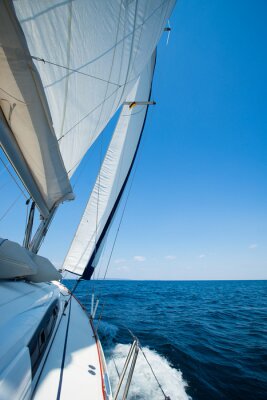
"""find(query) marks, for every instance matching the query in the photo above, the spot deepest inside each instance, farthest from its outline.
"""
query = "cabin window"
(40, 339)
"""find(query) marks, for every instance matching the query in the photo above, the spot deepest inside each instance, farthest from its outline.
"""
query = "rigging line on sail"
(13, 97)
(120, 86)
(107, 51)
(6, 167)
(87, 115)
(131, 53)
(141, 25)
(110, 72)
(132, 32)
(73, 70)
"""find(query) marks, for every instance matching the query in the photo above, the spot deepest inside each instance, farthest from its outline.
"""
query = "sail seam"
(123, 85)
(68, 61)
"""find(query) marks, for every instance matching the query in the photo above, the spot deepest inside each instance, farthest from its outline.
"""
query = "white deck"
(81, 376)
(72, 366)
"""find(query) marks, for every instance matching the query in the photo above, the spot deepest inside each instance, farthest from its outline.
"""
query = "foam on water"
(143, 385)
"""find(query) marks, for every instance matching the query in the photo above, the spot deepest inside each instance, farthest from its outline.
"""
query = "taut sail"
(65, 69)
(89, 55)
(26, 129)
(111, 181)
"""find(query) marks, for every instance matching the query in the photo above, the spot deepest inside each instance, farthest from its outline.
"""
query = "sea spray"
(144, 385)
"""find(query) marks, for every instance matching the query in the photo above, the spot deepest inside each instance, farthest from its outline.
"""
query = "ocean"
(203, 339)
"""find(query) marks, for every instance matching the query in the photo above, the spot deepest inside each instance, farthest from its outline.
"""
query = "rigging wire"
(5, 165)
(118, 86)
(73, 70)
(153, 372)
(120, 222)
(10, 207)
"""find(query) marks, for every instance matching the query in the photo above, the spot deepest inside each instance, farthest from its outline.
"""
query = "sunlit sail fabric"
(89, 53)
(111, 180)
(26, 130)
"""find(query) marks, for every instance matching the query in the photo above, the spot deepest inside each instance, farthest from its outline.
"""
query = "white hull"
(48, 348)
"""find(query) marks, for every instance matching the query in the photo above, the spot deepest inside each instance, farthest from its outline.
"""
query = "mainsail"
(111, 180)
(88, 55)
(26, 128)
(66, 68)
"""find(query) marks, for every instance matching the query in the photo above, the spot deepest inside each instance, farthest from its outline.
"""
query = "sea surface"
(203, 339)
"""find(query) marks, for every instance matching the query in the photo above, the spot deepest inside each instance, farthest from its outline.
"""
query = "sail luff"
(111, 181)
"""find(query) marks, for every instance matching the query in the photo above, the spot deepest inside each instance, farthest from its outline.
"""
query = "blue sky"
(197, 208)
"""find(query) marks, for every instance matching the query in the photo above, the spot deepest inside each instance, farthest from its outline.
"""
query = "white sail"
(61, 86)
(111, 180)
(26, 131)
(89, 53)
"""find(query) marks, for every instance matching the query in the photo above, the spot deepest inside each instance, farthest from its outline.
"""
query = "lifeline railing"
(132, 356)
(133, 353)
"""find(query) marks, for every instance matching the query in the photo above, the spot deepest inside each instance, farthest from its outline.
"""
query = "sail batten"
(111, 181)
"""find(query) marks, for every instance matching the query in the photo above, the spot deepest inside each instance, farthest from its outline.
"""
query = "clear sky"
(197, 208)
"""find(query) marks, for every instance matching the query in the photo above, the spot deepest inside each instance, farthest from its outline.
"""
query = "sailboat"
(66, 67)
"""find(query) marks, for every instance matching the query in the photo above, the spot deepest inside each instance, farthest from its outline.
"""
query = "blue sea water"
(204, 339)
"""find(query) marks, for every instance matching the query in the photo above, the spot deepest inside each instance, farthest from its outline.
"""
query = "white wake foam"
(143, 385)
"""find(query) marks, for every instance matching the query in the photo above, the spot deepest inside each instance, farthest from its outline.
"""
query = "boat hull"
(48, 346)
